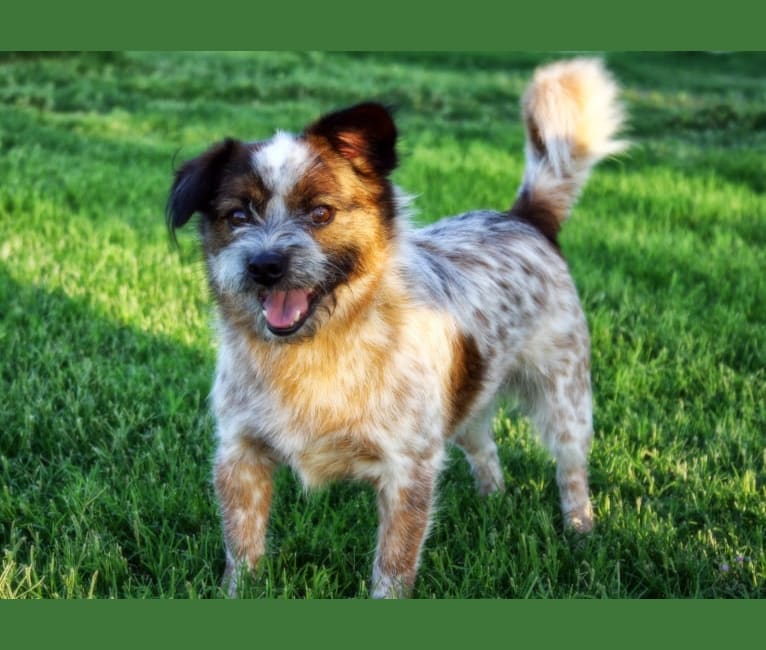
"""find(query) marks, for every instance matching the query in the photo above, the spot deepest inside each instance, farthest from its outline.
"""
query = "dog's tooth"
(296, 316)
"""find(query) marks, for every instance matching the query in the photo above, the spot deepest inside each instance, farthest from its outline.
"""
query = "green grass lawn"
(106, 352)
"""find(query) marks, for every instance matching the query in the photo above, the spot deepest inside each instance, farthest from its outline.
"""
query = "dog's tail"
(572, 115)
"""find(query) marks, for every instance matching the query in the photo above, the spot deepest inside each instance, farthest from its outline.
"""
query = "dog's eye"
(238, 218)
(321, 215)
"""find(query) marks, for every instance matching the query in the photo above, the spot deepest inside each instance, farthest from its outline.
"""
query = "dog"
(355, 346)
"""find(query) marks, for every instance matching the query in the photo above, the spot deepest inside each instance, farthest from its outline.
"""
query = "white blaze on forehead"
(282, 161)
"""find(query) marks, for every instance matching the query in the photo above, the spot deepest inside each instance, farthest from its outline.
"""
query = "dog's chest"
(347, 410)
(325, 430)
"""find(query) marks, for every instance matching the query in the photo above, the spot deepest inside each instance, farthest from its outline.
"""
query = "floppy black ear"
(364, 134)
(196, 182)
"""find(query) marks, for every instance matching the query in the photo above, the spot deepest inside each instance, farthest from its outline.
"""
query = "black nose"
(268, 268)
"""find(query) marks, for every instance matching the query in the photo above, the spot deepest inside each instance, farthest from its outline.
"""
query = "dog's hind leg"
(559, 403)
(478, 443)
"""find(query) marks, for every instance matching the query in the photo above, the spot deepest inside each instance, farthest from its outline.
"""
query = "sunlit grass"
(106, 352)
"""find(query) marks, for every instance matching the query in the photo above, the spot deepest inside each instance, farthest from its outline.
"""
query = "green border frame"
(394, 24)
(359, 624)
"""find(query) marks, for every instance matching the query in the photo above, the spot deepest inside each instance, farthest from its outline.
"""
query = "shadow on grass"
(105, 448)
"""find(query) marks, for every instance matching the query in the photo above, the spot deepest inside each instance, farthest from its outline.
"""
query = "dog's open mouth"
(286, 311)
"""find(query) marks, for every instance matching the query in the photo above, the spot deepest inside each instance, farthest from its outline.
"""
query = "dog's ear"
(196, 182)
(364, 134)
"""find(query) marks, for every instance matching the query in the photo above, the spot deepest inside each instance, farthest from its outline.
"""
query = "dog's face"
(287, 221)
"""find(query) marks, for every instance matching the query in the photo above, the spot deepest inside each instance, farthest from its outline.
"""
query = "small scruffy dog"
(355, 346)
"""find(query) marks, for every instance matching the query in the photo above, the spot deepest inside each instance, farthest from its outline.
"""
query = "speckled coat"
(352, 345)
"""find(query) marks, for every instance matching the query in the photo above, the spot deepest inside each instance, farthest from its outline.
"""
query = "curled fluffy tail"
(572, 115)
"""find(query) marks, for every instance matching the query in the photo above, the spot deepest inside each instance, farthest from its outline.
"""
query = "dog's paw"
(487, 472)
(489, 485)
(580, 519)
(390, 587)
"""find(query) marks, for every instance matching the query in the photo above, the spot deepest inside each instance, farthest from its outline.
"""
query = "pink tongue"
(282, 306)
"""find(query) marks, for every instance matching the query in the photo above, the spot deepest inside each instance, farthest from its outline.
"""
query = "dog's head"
(288, 221)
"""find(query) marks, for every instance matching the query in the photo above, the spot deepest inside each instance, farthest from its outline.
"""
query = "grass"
(106, 352)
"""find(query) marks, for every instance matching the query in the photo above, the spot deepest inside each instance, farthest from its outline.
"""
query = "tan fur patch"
(466, 378)
(358, 369)
(338, 457)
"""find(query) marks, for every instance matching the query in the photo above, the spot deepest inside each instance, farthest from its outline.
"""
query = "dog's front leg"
(243, 483)
(405, 516)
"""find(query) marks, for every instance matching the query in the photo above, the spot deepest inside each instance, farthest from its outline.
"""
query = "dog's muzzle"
(285, 310)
